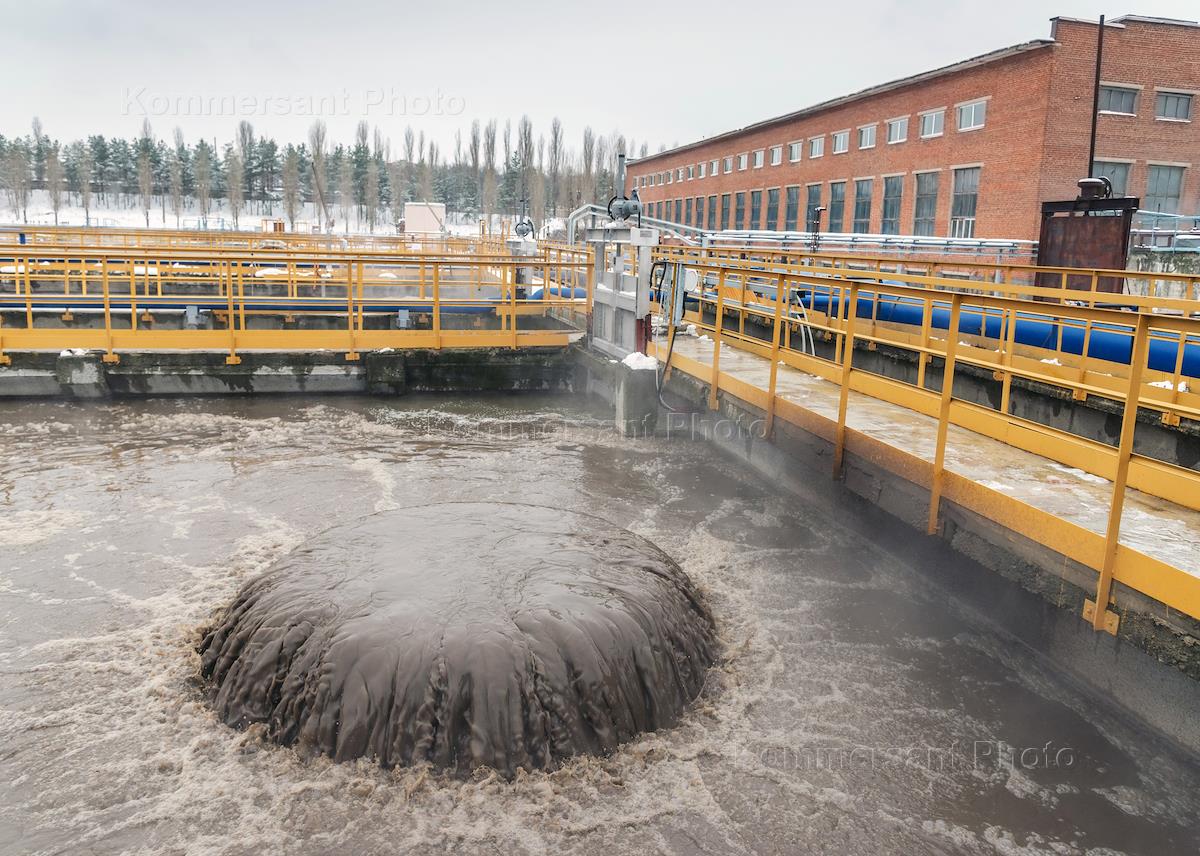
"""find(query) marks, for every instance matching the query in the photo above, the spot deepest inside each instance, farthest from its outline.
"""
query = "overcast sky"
(664, 72)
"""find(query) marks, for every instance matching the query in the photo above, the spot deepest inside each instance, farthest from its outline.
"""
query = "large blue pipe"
(1110, 342)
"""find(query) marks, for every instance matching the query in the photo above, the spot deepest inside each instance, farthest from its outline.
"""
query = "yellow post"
(437, 308)
(847, 359)
(939, 455)
(28, 292)
(1101, 616)
(1010, 338)
(230, 320)
(715, 381)
(351, 354)
(109, 356)
(775, 333)
(512, 290)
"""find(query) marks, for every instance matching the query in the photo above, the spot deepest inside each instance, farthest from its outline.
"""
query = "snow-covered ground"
(220, 217)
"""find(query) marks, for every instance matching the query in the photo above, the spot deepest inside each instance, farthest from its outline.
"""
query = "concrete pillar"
(636, 400)
(81, 375)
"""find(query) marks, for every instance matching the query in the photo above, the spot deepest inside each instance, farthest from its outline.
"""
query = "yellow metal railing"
(964, 273)
(769, 309)
(134, 299)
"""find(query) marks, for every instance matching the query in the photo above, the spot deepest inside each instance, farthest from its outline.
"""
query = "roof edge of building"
(879, 89)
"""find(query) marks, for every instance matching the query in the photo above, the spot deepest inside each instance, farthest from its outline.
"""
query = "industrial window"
(712, 213)
(933, 124)
(670, 177)
(678, 210)
(739, 207)
(792, 210)
(772, 210)
(897, 130)
(658, 210)
(837, 205)
(862, 205)
(698, 222)
(841, 142)
(812, 204)
(712, 168)
(758, 159)
(743, 159)
(925, 211)
(1118, 99)
(1163, 186)
(816, 147)
(728, 165)
(866, 137)
(755, 209)
(972, 116)
(680, 175)
(893, 193)
(691, 172)
(687, 211)
(795, 150)
(1117, 173)
(964, 202)
(700, 170)
(1173, 105)
(724, 211)
(776, 155)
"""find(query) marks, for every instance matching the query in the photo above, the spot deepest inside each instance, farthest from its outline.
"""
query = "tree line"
(492, 169)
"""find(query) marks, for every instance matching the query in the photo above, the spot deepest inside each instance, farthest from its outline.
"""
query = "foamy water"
(853, 710)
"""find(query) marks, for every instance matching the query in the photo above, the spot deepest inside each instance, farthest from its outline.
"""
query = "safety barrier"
(1141, 356)
(334, 300)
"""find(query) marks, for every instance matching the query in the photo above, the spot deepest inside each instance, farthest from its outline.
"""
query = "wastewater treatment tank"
(852, 706)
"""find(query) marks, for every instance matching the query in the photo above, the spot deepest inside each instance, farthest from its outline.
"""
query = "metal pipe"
(1091, 166)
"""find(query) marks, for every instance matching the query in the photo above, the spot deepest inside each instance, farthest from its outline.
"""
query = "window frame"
(963, 105)
(727, 165)
(798, 147)
(776, 157)
(873, 127)
(898, 122)
(816, 147)
(941, 132)
(844, 135)
(743, 161)
(758, 158)
(1135, 91)
(1164, 92)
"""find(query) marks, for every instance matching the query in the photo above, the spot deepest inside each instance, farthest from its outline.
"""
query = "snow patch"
(640, 362)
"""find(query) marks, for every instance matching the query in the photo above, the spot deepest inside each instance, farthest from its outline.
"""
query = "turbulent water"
(854, 709)
(463, 635)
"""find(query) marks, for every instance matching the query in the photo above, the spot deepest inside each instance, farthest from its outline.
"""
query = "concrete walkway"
(1153, 526)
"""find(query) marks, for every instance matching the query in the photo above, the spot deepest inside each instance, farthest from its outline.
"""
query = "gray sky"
(665, 72)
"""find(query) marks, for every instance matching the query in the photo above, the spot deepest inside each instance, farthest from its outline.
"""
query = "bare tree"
(554, 164)
(145, 183)
(346, 190)
(17, 181)
(316, 146)
(176, 180)
(54, 181)
(396, 176)
(371, 192)
(234, 176)
(291, 185)
(203, 176)
(84, 170)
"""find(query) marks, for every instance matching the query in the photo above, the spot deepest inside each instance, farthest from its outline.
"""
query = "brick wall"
(1033, 146)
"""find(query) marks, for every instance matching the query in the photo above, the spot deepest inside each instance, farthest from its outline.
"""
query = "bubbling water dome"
(463, 635)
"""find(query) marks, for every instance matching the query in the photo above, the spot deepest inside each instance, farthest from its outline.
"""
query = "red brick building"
(969, 150)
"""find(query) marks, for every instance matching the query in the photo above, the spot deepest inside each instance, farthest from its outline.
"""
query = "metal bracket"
(1079, 394)
(1111, 620)
(1170, 419)
(352, 356)
(5, 361)
(111, 359)
(233, 361)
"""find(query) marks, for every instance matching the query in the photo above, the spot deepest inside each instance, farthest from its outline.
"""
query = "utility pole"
(1091, 165)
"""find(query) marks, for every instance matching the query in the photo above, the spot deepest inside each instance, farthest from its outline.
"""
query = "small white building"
(424, 217)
